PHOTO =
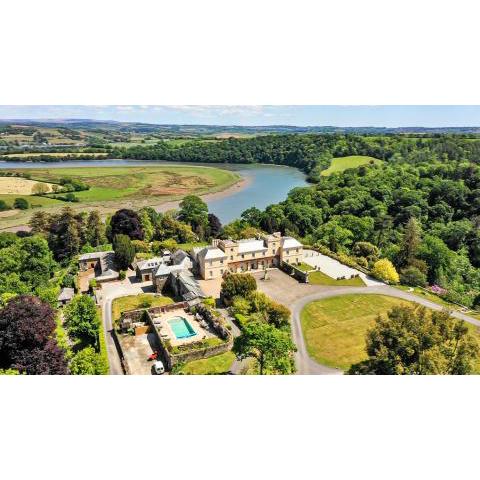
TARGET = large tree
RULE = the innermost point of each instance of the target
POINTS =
(411, 340)
(95, 231)
(410, 242)
(124, 251)
(81, 319)
(238, 284)
(27, 338)
(64, 235)
(194, 211)
(214, 225)
(126, 222)
(272, 348)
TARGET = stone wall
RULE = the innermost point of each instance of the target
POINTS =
(171, 359)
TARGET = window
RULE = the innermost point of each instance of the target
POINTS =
(231, 257)
(297, 250)
(231, 249)
(211, 273)
(253, 254)
(221, 261)
(243, 256)
(221, 271)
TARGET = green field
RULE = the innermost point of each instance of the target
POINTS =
(320, 278)
(334, 328)
(133, 302)
(209, 366)
(343, 163)
(112, 188)
(111, 183)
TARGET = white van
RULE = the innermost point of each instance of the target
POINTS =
(158, 367)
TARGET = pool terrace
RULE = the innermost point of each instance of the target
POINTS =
(165, 323)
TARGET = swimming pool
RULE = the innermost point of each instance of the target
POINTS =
(181, 328)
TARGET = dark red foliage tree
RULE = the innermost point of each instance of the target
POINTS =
(27, 338)
(214, 225)
(126, 222)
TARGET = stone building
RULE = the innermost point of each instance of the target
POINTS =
(245, 255)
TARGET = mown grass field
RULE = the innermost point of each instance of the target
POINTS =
(320, 278)
(209, 366)
(341, 164)
(334, 328)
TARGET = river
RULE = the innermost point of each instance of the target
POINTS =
(265, 184)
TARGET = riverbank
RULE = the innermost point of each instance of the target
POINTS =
(115, 187)
(253, 185)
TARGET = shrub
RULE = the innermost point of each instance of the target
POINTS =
(122, 275)
(384, 270)
(3, 206)
(413, 276)
(146, 301)
(21, 204)
(209, 302)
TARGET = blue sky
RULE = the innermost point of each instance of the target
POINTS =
(301, 115)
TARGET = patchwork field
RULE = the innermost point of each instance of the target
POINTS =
(116, 187)
(20, 186)
(341, 164)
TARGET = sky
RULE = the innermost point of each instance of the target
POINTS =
(299, 115)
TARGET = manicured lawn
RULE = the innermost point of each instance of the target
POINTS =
(334, 328)
(304, 267)
(320, 278)
(343, 163)
(214, 365)
(133, 302)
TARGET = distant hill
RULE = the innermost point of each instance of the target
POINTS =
(224, 130)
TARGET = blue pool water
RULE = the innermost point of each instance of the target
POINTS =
(181, 328)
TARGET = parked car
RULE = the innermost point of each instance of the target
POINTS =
(158, 368)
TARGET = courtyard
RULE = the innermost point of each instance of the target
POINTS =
(137, 349)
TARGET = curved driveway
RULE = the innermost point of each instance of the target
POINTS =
(305, 364)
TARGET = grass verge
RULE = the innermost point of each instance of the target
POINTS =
(209, 366)
(320, 278)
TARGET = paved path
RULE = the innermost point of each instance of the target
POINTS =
(305, 364)
(107, 294)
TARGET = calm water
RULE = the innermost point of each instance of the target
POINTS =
(266, 184)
